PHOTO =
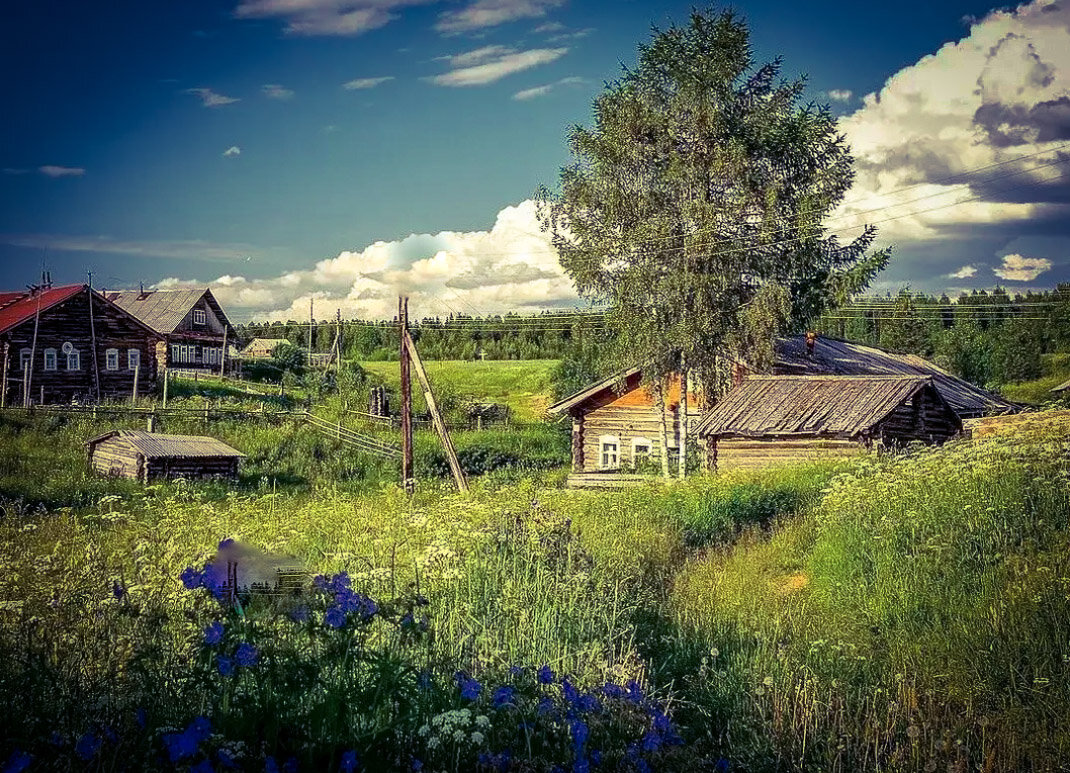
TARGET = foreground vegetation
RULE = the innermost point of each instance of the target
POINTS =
(899, 614)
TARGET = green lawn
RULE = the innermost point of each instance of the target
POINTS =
(523, 385)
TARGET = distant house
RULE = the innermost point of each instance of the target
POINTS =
(146, 456)
(64, 343)
(615, 423)
(775, 419)
(262, 348)
(191, 323)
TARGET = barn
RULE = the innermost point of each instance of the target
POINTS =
(147, 456)
(768, 420)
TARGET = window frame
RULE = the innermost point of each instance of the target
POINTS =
(55, 360)
(200, 317)
(607, 440)
(75, 356)
(133, 359)
(25, 358)
(642, 441)
(111, 359)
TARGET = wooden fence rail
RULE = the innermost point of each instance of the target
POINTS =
(352, 439)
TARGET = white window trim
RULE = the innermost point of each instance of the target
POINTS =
(133, 359)
(74, 356)
(111, 359)
(604, 440)
(51, 353)
(636, 441)
(25, 357)
(199, 317)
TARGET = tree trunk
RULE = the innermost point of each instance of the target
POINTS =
(659, 403)
(683, 417)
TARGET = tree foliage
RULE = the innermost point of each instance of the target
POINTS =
(694, 204)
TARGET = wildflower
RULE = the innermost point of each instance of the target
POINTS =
(191, 578)
(299, 614)
(581, 766)
(270, 766)
(204, 766)
(579, 733)
(458, 735)
(477, 738)
(516, 670)
(213, 634)
(545, 675)
(117, 590)
(225, 665)
(141, 717)
(634, 692)
(611, 690)
(483, 721)
(88, 746)
(503, 696)
(226, 760)
(416, 764)
(545, 706)
(721, 766)
(569, 691)
(470, 688)
(17, 762)
(246, 655)
(349, 761)
(226, 543)
(335, 617)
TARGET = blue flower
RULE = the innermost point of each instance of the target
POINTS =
(721, 766)
(141, 717)
(88, 746)
(299, 614)
(17, 762)
(545, 675)
(191, 578)
(579, 733)
(569, 691)
(270, 766)
(470, 688)
(349, 762)
(613, 690)
(416, 764)
(204, 766)
(503, 696)
(516, 670)
(213, 634)
(651, 741)
(225, 665)
(581, 766)
(246, 655)
(350, 601)
(200, 728)
(335, 617)
(226, 543)
(545, 706)
(634, 692)
(117, 590)
(185, 744)
(596, 756)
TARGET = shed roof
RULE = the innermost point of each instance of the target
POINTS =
(163, 310)
(257, 343)
(22, 306)
(838, 406)
(156, 446)
(1063, 387)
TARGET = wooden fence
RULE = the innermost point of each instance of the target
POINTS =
(354, 440)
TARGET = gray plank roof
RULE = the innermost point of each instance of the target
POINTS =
(162, 310)
(1063, 387)
(154, 445)
(828, 406)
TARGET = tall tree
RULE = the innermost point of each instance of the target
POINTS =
(695, 204)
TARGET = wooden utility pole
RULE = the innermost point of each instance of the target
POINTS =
(3, 387)
(166, 378)
(27, 374)
(93, 341)
(223, 355)
(337, 344)
(683, 415)
(137, 371)
(406, 397)
(436, 417)
(311, 324)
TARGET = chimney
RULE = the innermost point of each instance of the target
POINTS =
(811, 341)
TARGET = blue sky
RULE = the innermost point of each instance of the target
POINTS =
(282, 149)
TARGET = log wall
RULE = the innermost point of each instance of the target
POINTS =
(924, 417)
(191, 467)
(115, 457)
(626, 422)
(738, 454)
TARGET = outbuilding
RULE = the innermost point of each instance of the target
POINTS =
(768, 420)
(147, 456)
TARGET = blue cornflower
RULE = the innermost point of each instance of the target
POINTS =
(335, 617)
(611, 690)
(200, 728)
(651, 741)
(568, 691)
(17, 762)
(470, 688)
(579, 733)
(204, 766)
(246, 655)
(503, 696)
(226, 543)
(319, 582)
(299, 614)
(544, 706)
(225, 665)
(117, 590)
(349, 761)
(88, 746)
(661, 722)
(180, 745)
(634, 691)
(417, 764)
(191, 578)
(545, 675)
(587, 702)
(350, 601)
(213, 634)
(516, 670)
(270, 766)
(581, 766)
(596, 756)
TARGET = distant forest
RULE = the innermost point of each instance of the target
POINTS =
(987, 337)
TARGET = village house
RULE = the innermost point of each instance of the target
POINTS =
(262, 348)
(194, 330)
(615, 424)
(768, 420)
(59, 344)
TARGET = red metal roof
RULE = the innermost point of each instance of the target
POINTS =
(24, 306)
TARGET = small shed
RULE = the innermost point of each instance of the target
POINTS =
(146, 456)
(769, 420)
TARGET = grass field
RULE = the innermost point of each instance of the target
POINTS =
(1056, 370)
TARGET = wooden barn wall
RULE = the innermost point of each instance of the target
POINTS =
(197, 467)
(69, 322)
(626, 421)
(924, 417)
(115, 456)
(747, 454)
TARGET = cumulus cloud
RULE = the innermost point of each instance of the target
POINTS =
(490, 13)
(1021, 269)
(210, 98)
(840, 95)
(276, 91)
(963, 273)
(325, 17)
(540, 91)
(48, 170)
(366, 83)
(492, 63)
(232, 151)
(509, 266)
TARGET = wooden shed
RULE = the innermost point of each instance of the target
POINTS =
(149, 456)
(770, 420)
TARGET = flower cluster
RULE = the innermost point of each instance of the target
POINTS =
(459, 727)
(347, 604)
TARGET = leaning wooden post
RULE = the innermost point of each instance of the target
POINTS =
(436, 417)
(223, 354)
(406, 397)
(137, 370)
(166, 379)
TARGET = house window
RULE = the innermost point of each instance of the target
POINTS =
(74, 360)
(198, 317)
(50, 359)
(133, 359)
(24, 359)
(112, 359)
(175, 348)
(640, 449)
(609, 452)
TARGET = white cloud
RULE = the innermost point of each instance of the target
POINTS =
(490, 13)
(963, 273)
(366, 83)
(840, 95)
(1020, 269)
(211, 99)
(276, 91)
(494, 63)
(232, 151)
(548, 27)
(540, 91)
(182, 249)
(325, 17)
(512, 265)
(48, 170)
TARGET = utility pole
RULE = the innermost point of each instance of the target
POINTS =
(311, 324)
(93, 340)
(337, 344)
(436, 417)
(406, 397)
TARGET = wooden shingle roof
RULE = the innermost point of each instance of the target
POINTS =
(155, 446)
(824, 406)
(164, 310)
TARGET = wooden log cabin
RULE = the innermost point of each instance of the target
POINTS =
(59, 344)
(147, 456)
(770, 420)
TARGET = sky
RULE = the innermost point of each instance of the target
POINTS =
(345, 150)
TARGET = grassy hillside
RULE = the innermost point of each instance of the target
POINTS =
(523, 385)
(1056, 370)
